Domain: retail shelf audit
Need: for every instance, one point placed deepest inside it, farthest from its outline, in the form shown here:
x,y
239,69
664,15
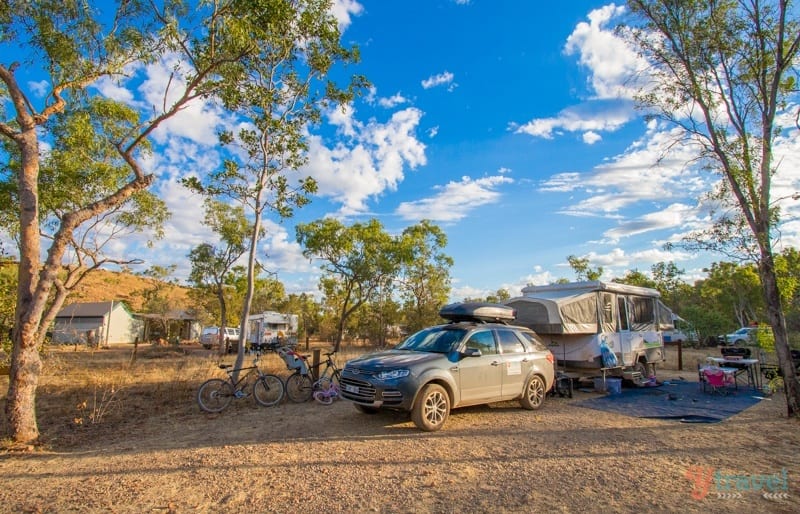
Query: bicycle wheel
x,y
323,397
329,378
214,395
268,390
299,387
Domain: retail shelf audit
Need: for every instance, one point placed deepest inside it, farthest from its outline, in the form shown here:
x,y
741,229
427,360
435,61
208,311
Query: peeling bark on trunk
x,y
777,320
21,401
26,365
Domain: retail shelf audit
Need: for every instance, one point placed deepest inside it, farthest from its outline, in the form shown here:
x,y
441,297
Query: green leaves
x,y
363,263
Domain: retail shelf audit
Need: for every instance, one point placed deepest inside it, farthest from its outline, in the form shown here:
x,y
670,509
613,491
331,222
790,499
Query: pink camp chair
x,y
717,380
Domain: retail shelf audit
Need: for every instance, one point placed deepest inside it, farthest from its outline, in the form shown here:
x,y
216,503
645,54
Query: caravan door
x,y
625,334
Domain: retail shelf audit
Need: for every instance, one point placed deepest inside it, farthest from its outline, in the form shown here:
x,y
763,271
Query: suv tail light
x,y
550,358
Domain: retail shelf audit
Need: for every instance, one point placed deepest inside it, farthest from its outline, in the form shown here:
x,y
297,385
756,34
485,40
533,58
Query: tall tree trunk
x,y
223,319
251,279
26,365
777,320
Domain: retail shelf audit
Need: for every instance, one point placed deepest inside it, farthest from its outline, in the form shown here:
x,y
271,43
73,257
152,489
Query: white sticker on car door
x,y
513,368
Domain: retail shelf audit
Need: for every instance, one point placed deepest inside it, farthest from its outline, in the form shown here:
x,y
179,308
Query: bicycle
x,y
216,394
299,385
326,387
302,384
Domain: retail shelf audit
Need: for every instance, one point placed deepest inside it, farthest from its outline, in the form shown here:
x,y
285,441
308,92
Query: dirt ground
x,y
498,458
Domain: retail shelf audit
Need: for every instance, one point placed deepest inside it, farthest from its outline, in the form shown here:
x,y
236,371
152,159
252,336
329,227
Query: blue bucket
x,y
614,385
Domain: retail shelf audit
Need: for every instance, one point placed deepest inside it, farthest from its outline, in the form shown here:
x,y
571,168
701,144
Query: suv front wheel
x,y
431,408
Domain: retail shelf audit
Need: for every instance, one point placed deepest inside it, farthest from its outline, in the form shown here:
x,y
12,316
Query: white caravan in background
x,y
596,325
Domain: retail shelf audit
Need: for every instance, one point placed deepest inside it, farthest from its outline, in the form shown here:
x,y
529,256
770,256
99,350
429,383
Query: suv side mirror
x,y
471,352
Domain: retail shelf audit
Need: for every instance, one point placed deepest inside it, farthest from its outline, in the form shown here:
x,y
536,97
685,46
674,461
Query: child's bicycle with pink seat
x,y
326,387
302,385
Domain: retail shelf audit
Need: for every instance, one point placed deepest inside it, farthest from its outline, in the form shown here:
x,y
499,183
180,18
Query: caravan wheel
x,y
644,370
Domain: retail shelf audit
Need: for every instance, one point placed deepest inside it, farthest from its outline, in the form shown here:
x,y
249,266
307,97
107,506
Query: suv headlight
x,y
392,374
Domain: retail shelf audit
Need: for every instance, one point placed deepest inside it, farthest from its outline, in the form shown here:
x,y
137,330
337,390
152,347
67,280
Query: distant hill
x,y
105,286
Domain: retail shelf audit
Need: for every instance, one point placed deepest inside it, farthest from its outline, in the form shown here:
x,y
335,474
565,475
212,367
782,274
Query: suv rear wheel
x,y
533,395
431,408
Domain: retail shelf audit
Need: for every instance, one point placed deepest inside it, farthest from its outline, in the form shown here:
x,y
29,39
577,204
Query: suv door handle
x,y
495,363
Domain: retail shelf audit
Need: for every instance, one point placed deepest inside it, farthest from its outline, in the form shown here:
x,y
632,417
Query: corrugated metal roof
x,y
86,310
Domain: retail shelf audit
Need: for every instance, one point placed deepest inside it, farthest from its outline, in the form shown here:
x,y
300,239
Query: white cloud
x,y
591,137
609,60
652,169
392,101
674,216
372,162
459,293
199,121
441,79
594,116
611,64
279,254
617,261
39,88
343,10
116,90
455,200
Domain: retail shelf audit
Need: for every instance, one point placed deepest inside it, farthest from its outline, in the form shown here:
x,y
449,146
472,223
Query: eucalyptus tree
x,y
212,264
724,73
72,47
81,167
356,261
424,279
309,312
288,86
580,265
157,301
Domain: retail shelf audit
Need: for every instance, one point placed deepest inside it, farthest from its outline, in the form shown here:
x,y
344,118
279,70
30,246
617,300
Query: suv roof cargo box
x,y
478,311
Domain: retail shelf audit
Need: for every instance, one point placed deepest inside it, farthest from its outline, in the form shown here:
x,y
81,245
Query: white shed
x,y
106,322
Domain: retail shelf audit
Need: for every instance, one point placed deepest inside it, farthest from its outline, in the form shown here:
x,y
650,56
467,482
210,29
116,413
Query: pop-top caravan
x,y
594,325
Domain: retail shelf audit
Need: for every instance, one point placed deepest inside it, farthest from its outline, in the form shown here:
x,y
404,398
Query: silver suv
x,y
209,338
475,359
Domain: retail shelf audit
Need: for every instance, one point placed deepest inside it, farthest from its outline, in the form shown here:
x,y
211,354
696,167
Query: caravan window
x,y
608,316
623,314
642,312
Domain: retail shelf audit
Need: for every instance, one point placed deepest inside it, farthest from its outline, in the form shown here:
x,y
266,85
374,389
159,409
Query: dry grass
x,y
85,394
104,286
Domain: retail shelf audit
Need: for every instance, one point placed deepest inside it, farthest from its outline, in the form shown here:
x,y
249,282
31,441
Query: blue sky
x,y
508,123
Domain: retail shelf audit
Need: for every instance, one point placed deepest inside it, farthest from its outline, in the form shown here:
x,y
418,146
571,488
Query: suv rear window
x,y
509,342
534,340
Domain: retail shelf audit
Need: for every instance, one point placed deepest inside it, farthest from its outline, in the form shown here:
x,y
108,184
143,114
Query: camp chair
x,y
717,380
701,378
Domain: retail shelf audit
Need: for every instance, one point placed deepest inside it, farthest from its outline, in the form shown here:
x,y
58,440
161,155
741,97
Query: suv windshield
x,y
434,339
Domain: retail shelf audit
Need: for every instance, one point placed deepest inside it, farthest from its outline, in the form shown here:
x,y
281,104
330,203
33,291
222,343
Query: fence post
x,y
315,363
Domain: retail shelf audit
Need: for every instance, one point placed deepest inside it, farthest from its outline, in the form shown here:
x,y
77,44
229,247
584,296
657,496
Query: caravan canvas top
x,y
589,286
588,308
